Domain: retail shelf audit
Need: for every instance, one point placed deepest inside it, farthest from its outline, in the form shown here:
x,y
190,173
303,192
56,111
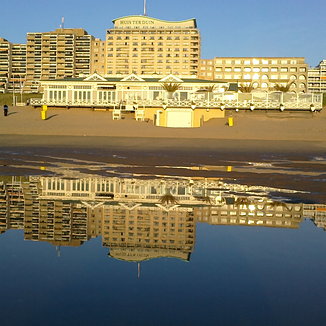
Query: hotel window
x,y
264,85
255,61
247,62
293,69
237,77
246,76
274,77
293,77
228,69
284,62
273,69
302,85
255,76
228,76
219,62
237,69
264,77
228,62
247,69
283,69
264,62
302,77
264,69
237,62
274,62
302,69
256,69
218,69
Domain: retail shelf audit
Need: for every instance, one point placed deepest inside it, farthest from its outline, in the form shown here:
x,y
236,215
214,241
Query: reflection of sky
x,y
237,276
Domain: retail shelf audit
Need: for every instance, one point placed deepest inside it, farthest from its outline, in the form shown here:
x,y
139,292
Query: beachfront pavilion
x,y
169,101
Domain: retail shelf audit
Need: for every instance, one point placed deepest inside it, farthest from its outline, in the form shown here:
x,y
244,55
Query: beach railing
x,y
252,101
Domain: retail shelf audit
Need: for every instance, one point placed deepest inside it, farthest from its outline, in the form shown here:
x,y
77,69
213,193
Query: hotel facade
x,y
260,72
145,45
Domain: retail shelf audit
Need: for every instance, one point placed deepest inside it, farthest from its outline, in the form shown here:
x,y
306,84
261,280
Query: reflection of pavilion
x,y
139,219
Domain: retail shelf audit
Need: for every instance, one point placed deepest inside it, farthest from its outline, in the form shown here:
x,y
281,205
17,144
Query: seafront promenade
x,y
257,125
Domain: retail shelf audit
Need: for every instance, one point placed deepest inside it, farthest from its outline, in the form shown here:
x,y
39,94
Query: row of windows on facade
x,y
156,31
252,61
257,76
255,69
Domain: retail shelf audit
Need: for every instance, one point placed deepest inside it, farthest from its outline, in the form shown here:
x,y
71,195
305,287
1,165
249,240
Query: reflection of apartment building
x,y
144,45
260,72
317,213
252,213
58,54
317,78
58,222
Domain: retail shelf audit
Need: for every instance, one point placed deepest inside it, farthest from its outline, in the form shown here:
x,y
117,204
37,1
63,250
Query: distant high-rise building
x,y
5,64
145,45
98,56
18,67
62,53
260,72
317,78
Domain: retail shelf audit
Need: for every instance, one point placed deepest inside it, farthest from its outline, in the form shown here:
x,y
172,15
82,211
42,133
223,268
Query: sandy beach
x,y
281,126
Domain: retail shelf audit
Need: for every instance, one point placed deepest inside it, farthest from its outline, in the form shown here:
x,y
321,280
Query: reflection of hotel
x,y
136,232
138,219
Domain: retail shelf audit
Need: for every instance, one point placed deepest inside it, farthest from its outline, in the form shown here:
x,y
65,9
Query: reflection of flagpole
x,y
138,270
57,248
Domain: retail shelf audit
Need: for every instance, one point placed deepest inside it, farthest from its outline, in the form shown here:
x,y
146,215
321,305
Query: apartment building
x,y
260,72
18,68
62,53
146,46
98,56
5,64
317,78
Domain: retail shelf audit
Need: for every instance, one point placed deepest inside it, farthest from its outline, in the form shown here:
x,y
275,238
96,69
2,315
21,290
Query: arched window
x,y
264,77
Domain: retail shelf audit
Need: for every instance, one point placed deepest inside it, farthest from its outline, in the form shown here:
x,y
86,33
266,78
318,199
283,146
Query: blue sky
x,y
228,28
